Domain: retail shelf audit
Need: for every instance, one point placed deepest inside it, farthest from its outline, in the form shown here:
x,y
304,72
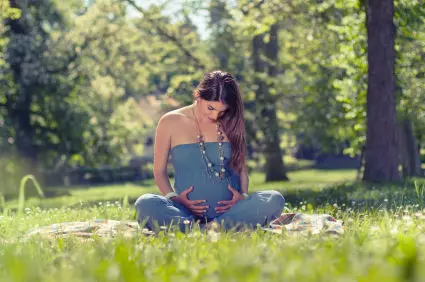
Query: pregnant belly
x,y
209,191
212,196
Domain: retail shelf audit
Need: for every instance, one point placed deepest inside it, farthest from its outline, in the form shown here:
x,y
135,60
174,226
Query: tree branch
x,y
245,11
169,36
18,110
44,130
72,58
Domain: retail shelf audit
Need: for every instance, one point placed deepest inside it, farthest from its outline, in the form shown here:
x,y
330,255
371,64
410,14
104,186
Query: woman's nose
x,y
215,115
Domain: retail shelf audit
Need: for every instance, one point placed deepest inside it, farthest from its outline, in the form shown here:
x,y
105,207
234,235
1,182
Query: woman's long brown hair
x,y
221,86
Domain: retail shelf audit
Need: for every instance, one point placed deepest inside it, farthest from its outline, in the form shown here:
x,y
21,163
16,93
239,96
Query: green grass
x,y
384,238
304,179
85,196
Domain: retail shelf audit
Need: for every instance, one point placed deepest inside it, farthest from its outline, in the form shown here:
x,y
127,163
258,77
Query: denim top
x,y
190,169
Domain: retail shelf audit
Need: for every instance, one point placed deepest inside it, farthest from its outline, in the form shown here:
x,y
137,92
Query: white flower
x,y
113,272
213,236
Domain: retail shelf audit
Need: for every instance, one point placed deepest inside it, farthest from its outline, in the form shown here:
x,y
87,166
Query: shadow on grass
x,y
313,191
141,183
112,201
356,195
359,195
60,191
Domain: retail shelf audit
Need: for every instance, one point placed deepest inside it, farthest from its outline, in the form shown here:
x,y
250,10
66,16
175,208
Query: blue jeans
x,y
259,208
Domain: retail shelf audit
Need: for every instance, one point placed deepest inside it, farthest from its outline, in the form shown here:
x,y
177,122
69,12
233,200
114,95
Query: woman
x,y
206,141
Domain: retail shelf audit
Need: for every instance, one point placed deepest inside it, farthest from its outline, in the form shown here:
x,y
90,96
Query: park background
x,y
334,107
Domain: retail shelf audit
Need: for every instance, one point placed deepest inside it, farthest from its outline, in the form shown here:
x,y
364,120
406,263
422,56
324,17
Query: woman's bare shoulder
x,y
174,117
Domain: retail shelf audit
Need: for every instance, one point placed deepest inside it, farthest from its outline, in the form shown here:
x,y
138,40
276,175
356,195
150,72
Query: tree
x,y
381,154
54,108
329,65
266,102
28,39
263,21
410,74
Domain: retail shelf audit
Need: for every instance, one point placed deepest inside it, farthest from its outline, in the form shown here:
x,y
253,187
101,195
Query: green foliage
x,y
326,68
84,65
409,69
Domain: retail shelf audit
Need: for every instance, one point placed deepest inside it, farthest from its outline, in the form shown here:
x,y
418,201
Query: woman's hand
x,y
189,204
228,204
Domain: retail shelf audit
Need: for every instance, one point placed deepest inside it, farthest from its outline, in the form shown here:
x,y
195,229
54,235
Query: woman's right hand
x,y
192,206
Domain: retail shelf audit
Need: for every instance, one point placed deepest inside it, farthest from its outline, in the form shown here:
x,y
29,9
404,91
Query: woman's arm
x,y
161,151
162,148
244,180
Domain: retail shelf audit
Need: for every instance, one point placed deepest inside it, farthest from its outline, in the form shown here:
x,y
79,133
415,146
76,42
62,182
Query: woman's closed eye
x,y
220,113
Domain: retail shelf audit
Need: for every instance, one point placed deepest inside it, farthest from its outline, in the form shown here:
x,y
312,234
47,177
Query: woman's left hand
x,y
228,204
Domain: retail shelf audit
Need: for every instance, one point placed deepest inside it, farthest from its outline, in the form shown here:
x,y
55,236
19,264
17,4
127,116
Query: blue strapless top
x,y
190,169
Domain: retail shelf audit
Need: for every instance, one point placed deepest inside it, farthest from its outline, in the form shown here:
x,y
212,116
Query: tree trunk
x,y
409,150
265,104
20,110
361,164
381,155
275,168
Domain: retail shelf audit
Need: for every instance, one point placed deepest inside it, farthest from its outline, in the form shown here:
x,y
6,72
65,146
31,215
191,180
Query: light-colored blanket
x,y
90,229
300,223
289,223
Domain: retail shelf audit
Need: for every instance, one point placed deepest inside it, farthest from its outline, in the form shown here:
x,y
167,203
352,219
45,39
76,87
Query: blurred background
x,y
83,83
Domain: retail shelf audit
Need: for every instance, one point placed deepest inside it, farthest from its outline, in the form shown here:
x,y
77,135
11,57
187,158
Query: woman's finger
x,y
235,193
222,211
223,208
187,191
199,208
231,189
225,202
198,212
195,202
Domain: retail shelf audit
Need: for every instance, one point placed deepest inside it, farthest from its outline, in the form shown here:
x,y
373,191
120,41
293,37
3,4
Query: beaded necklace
x,y
201,140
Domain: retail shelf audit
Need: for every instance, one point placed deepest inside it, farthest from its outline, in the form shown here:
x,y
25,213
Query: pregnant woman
x,y
206,141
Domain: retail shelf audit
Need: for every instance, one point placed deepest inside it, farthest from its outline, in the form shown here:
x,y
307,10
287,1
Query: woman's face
x,y
211,110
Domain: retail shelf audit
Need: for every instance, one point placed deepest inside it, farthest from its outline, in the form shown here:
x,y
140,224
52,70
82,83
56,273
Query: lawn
x,y
84,196
384,238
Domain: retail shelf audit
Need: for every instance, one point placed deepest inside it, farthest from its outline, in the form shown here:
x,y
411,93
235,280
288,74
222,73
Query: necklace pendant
x,y
220,174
